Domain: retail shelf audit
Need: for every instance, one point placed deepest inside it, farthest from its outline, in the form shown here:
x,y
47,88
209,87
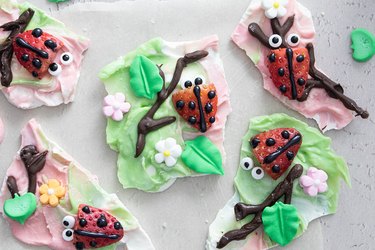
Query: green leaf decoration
x,y
145,79
202,156
20,208
281,222
363,45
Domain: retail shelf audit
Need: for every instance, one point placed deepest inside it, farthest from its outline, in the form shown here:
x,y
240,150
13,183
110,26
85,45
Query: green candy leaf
x,y
20,208
145,79
202,156
281,222
363,45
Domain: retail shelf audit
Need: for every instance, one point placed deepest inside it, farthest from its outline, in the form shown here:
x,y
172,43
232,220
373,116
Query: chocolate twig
x,y
332,87
12,186
148,124
6,48
282,30
258,33
34,163
242,210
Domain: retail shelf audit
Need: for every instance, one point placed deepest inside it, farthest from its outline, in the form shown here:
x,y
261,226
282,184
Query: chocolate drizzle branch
x,y
6,48
318,79
241,210
148,124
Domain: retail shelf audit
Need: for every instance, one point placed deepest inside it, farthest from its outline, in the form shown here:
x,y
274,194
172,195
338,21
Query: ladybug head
x,y
68,222
276,41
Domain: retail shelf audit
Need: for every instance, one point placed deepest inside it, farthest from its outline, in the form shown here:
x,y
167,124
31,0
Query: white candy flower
x,y
274,8
168,150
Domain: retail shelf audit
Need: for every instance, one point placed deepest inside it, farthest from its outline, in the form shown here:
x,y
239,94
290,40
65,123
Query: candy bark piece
x,y
25,90
315,151
44,227
145,168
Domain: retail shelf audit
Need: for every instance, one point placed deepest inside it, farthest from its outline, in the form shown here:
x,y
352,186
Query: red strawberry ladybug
x,y
92,228
36,51
275,149
197,104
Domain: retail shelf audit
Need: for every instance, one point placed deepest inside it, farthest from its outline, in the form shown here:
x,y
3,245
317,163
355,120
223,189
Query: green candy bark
x,y
315,151
144,172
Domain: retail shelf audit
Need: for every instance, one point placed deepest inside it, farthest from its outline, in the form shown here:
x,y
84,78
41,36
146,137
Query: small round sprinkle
x,y
37,32
180,104
285,134
212,119
191,105
276,169
270,142
192,120
211,94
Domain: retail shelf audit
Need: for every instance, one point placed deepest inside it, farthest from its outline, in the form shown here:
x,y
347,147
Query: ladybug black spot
x,y
270,142
50,44
188,84
282,88
93,243
82,222
276,169
192,120
301,81
180,104
37,32
25,57
198,81
117,225
255,142
35,74
212,119
285,134
86,209
80,245
37,63
208,108
211,94
102,221
281,71
272,57
289,155
192,105
300,58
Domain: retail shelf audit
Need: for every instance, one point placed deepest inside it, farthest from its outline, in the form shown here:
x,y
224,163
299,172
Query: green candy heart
x,y
363,45
20,208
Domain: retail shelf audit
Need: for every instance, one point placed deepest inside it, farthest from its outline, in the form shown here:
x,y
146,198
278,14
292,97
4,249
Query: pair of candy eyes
x,y
68,222
65,59
256,172
275,40
197,81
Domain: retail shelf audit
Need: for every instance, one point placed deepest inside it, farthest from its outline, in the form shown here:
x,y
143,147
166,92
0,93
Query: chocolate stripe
x,y
22,43
96,235
289,54
202,122
271,157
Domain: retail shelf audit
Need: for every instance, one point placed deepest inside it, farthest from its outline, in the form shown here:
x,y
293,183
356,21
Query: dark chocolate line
x,y
22,43
289,54
271,157
12,186
96,235
202,122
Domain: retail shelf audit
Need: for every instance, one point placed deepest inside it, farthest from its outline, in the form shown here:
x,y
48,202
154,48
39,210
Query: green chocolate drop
x,y
20,208
363,45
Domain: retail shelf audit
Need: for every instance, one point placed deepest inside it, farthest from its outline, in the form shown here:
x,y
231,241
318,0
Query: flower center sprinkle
x,y
167,153
317,182
116,105
276,5
51,191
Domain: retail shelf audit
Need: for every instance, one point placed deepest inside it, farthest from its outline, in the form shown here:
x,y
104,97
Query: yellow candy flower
x,y
51,193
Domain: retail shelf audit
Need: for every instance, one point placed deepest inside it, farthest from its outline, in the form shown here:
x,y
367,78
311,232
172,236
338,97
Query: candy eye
x,y
247,163
66,58
257,173
67,234
68,221
293,40
54,69
275,41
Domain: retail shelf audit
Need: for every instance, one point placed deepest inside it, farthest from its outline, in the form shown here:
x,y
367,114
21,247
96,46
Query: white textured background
x,y
178,218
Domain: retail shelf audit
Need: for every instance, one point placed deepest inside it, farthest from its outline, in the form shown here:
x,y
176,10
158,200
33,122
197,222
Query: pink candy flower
x,y
115,106
314,182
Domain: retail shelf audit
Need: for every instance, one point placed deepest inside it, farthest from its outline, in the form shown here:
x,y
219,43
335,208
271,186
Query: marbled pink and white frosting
x,y
44,227
329,113
27,92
